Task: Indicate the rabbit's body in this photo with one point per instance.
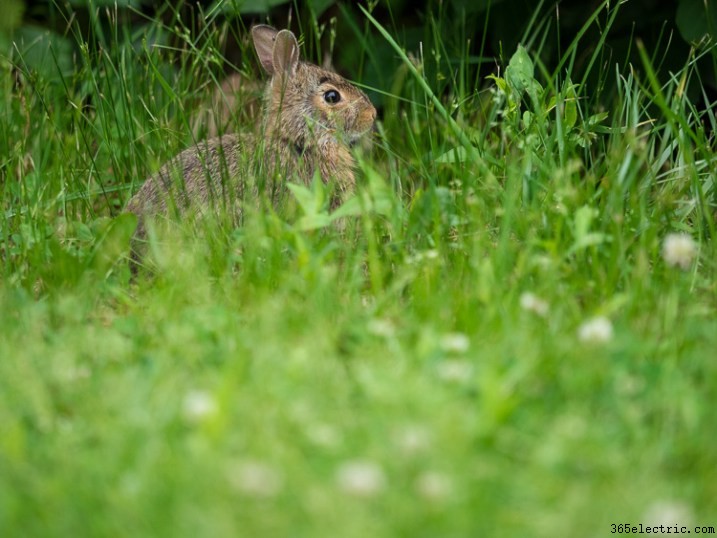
(312, 118)
(193, 178)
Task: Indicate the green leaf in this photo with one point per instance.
(114, 237)
(582, 223)
(527, 118)
(519, 72)
(45, 52)
(81, 231)
(455, 155)
(696, 19)
(64, 267)
(311, 199)
(596, 119)
(500, 82)
(313, 222)
(570, 107)
(303, 195)
(350, 208)
(381, 195)
(583, 220)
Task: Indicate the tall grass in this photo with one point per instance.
(425, 368)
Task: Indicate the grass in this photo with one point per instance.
(384, 378)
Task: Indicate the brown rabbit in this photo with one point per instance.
(235, 98)
(311, 119)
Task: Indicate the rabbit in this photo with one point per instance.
(312, 117)
(219, 110)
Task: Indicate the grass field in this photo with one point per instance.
(515, 337)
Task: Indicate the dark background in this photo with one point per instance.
(672, 31)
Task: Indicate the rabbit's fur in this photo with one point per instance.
(305, 129)
(236, 97)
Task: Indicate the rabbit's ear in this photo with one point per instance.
(286, 53)
(264, 37)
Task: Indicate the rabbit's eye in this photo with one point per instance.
(332, 97)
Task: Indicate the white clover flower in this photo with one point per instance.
(323, 435)
(668, 513)
(361, 478)
(412, 439)
(381, 327)
(679, 249)
(629, 384)
(198, 406)
(532, 303)
(433, 485)
(431, 254)
(421, 256)
(596, 330)
(255, 479)
(77, 373)
(455, 370)
(455, 343)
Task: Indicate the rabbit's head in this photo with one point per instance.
(307, 106)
